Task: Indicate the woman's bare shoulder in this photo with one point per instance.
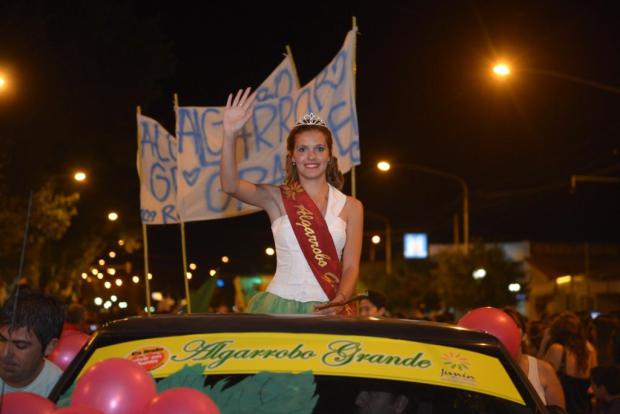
(355, 205)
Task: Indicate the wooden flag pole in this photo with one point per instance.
(188, 300)
(289, 53)
(145, 240)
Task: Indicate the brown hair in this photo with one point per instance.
(567, 330)
(333, 174)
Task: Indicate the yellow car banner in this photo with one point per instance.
(339, 355)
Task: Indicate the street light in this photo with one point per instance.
(112, 216)
(502, 70)
(385, 166)
(79, 176)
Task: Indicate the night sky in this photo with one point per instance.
(425, 95)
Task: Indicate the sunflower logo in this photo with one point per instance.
(292, 189)
(455, 361)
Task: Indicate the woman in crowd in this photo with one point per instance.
(566, 348)
(540, 373)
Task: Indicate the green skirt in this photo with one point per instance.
(265, 302)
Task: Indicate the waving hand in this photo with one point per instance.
(238, 111)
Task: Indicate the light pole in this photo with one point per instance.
(388, 239)
(386, 166)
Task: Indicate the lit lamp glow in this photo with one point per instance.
(562, 280)
(384, 166)
(79, 176)
(269, 251)
(376, 239)
(112, 216)
(225, 259)
(501, 70)
(479, 274)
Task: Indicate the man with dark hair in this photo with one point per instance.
(606, 388)
(373, 304)
(30, 325)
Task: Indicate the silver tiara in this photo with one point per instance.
(311, 119)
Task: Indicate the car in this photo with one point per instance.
(319, 364)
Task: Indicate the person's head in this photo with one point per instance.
(566, 329)
(309, 152)
(521, 323)
(29, 331)
(373, 304)
(76, 314)
(381, 398)
(605, 381)
(535, 333)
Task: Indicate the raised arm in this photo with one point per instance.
(237, 112)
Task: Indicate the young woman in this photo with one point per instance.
(540, 373)
(572, 356)
(316, 228)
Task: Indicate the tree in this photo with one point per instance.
(50, 217)
(406, 288)
(453, 281)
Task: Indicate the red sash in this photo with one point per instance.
(315, 240)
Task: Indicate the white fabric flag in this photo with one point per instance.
(261, 151)
(157, 166)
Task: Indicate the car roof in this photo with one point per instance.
(411, 330)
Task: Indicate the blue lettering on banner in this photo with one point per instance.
(285, 110)
(336, 126)
(259, 131)
(278, 170)
(147, 216)
(169, 214)
(328, 78)
(159, 183)
(204, 116)
(190, 127)
(255, 174)
(282, 85)
(284, 78)
(151, 137)
(305, 93)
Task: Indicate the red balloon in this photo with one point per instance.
(69, 345)
(497, 323)
(77, 409)
(26, 403)
(182, 400)
(115, 386)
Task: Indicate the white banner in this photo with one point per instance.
(157, 167)
(261, 150)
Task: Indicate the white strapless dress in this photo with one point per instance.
(294, 279)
